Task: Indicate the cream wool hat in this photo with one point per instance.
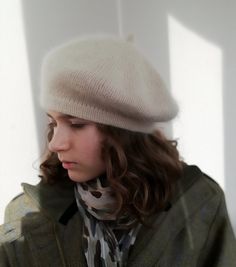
(105, 80)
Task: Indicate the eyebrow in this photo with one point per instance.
(66, 116)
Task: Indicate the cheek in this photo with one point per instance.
(90, 149)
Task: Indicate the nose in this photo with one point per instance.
(59, 142)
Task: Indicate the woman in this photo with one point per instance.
(113, 190)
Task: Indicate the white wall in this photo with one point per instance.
(190, 42)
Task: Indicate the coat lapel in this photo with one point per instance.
(54, 234)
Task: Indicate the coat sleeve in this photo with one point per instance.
(220, 245)
(10, 231)
(3, 257)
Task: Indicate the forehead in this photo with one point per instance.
(61, 116)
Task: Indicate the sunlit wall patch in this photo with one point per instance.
(19, 147)
(196, 78)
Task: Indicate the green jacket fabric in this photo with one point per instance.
(42, 228)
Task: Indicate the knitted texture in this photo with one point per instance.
(105, 80)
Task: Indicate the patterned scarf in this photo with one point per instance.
(106, 241)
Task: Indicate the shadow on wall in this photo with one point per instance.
(50, 23)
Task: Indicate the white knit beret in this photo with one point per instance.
(105, 80)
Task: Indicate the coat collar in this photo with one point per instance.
(52, 200)
(58, 200)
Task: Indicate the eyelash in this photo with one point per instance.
(77, 126)
(52, 125)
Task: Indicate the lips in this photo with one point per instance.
(68, 164)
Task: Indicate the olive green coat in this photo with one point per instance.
(40, 229)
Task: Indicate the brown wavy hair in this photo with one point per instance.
(140, 168)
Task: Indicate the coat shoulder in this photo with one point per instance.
(19, 207)
(195, 179)
(213, 185)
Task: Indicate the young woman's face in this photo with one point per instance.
(77, 143)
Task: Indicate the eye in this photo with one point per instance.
(78, 125)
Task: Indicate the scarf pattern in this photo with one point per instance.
(106, 242)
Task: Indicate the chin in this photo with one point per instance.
(79, 178)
